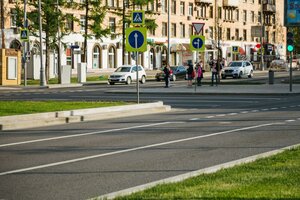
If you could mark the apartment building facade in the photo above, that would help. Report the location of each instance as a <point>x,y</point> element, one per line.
<point>227,23</point>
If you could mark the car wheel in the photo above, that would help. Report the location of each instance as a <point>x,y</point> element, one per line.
<point>111,83</point>
<point>240,75</point>
<point>128,80</point>
<point>251,74</point>
<point>173,78</point>
<point>223,77</point>
<point>143,79</point>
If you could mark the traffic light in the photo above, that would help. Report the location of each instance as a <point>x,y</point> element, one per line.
<point>290,41</point>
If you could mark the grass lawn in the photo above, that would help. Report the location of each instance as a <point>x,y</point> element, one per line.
<point>276,177</point>
<point>73,80</point>
<point>29,107</point>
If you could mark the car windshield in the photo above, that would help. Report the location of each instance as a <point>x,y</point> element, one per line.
<point>123,69</point>
<point>235,64</point>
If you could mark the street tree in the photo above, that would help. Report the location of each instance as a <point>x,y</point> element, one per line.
<point>94,15</point>
<point>52,20</point>
<point>125,13</point>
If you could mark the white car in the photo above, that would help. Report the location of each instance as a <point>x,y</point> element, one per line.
<point>127,74</point>
<point>238,69</point>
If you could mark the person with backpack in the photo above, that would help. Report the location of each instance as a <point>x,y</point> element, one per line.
<point>167,71</point>
<point>190,74</point>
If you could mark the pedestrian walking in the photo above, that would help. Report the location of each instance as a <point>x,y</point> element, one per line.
<point>199,72</point>
<point>214,72</point>
<point>167,71</point>
<point>190,74</point>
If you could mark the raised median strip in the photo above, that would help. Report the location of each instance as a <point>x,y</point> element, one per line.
<point>73,116</point>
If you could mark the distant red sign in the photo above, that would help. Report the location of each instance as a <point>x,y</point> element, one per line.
<point>258,46</point>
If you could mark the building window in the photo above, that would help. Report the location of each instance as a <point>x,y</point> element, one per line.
<point>164,29</point>
<point>182,7</point>
<point>190,9</point>
<point>211,11</point>
<point>237,34</point>
<point>152,32</point>
<point>182,30</point>
<point>112,24</point>
<point>203,11</point>
<point>150,6</point>
<point>111,57</point>
<point>267,36</point>
<point>237,15</point>
<point>173,7</point>
<point>111,3</point>
<point>173,30</point>
<point>164,6</point>
<point>274,37</point>
<point>228,34</point>
<point>259,17</point>
<point>69,22</point>
<point>96,57</point>
<point>82,22</point>
<point>252,16</point>
<point>13,18</point>
<point>220,12</point>
<point>245,35</point>
<point>211,32</point>
<point>244,15</point>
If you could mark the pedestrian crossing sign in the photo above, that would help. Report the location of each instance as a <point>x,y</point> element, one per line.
<point>24,35</point>
<point>138,17</point>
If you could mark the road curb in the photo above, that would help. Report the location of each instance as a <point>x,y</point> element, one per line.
<point>79,115</point>
<point>182,177</point>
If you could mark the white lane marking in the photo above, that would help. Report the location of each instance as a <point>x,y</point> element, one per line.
<point>290,120</point>
<point>232,114</point>
<point>274,108</point>
<point>266,109</point>
<point>254,110</point>
<point>244,112</point>
<point>292,106</point>
<point>208,117</point>
<point>132,149</point>
<point>85,134</point>
<point>221,115</point>
<point>193,119</point>
<point>283,107</point>
<point>225,122</point>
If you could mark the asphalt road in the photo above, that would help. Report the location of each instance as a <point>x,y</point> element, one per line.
<point>85,160</point>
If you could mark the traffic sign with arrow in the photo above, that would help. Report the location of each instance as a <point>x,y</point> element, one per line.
<point>197,43</point>
<point>136,39</point>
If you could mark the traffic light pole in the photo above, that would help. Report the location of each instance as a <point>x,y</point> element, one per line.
<point>291,72</point>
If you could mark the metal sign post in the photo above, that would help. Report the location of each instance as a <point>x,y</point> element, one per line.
<point>136,41</point>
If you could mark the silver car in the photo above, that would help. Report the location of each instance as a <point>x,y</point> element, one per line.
<point>127,74</point>
<point>238,69</point>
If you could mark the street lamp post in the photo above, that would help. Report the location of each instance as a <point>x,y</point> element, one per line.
<point>262,38</point>
<point>42,73</point>
<point>168,55</point>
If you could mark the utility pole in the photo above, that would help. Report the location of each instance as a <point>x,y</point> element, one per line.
<point>123,32</point>
<point>262,37</point>
<point>42,72</point>
<point>168,55</point>
<point>25,49</point>
<point>59,45</point>
<point>2,23</point>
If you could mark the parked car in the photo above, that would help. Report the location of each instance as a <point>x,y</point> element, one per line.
<point>238,69</point>
<point>127,74</point>
<point>279,65</point>
<point>177,72</point>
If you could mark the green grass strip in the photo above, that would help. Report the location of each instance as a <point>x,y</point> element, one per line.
<point>276,177</point>
<point>29,107</point>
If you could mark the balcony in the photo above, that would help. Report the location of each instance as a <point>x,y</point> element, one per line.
<point>198,2</point>
<point>269,8</point>
<point>231,3</point>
